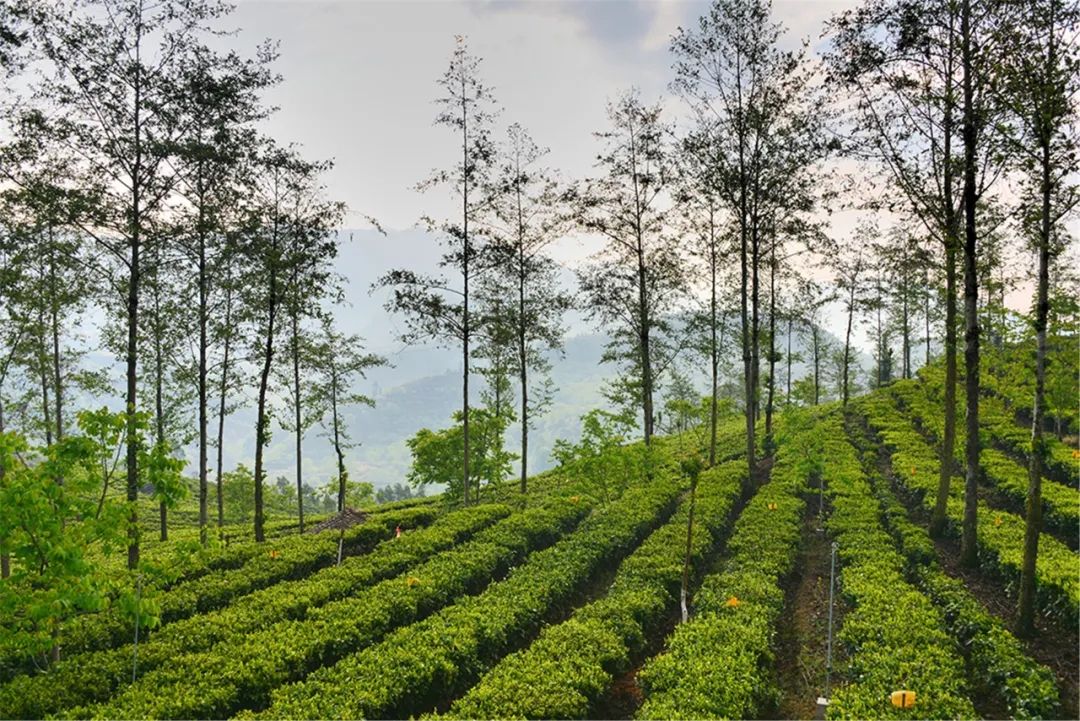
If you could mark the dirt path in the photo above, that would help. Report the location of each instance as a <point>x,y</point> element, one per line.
<point>803,631</point>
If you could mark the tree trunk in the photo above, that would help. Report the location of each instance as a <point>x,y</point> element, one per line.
<point>134,277</point>
<point>294,316</point>
<point>968,545</point>
<point>926,310</point>
<point>5,558</point>
<point>787,396</point>
<point>523,351</point>
<point>465,299</point>
<point>159,381</point>
<point>714,348</point>
<point>1033,521</point>
<point>264,378</point>
<point>223,390</point>
<point>817,364</point>
<point>203,312</point>
<point>847,343</point>
<point>342,487</point>
<point>643,344</point>
<point>771,391</point>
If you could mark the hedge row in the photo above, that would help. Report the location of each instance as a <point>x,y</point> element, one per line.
<point>1062,462</point>
<point>92,677</point>
<point>719,664</point>
<point>893,635</point>
<point>417,666</point>
<point>996,661</point>
<point>240,672</point>
<point>565,671</point>
<point>1061,503</point>
<point>999,534</point>
<point>289,557</point>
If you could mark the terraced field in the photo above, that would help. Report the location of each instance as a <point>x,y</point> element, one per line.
<point>561,605</point>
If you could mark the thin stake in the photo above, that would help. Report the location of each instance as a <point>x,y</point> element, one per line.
<point>138,604</point>
<point>828,647</point>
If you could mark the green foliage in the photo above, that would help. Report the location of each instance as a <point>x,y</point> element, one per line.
<point>566,670</point>
<point>601,458</point>
<point>893,634</point>
<point>241,671</point>
<point>438,455</point>
<point>94,677</point>
<point>51,522</point>
<point>717,664</point>
<point>417,666</point>
<point>1000,534</point>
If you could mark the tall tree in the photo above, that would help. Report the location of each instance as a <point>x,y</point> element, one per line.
<point>293,226</point>
<point>899,60</point>
<point>637,278</point>
<point>736,78</point>
<point>220,103</point>
<point>701,211</point>
<point>1039,87</point>
<point>528,217</point>
<point>111,96</point>
<point>434,309</point>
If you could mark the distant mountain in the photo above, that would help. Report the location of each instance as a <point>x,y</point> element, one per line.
<point>422,386</point>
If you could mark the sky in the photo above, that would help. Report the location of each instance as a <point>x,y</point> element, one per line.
<point>359,78</point>
<point>359,84</point>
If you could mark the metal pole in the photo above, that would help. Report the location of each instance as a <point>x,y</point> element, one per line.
<point>138,603</point>
<point>828,651</point>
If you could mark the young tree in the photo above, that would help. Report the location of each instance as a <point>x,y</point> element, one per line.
<point>339,361</point>
<point>850,267</point>
<point>1039,86</point>
<point>432,308</point>
<point>528,217</point>
<point>437,454</point>
<point>637,279</point>
<point>813,299</point>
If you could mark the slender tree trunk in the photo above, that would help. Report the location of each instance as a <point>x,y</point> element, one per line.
<point>134,277</point>
<point>54,308</point>
<point>968,545</point>
<point>465,299</point>
<point>771,391</point>
<point>847,343</point>
<point>342,479</point>
<point>43,380</point>
<point>643,343</point>
<point>755,318</point>
<point>787,397</point>
<point>938,518</point>
<point>264,376</point>
<point>5,558</point>
<point>294,317</point>
<point>714,347</point>
<point>1033,520</point>
<point>926,310</point>
<point>817,364</point>
<point>203,420</point>
<point>523,362</point>
<point>223,390</point>
<point>159,382</point>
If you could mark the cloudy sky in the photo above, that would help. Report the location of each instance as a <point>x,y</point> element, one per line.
<point>359,78</point>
